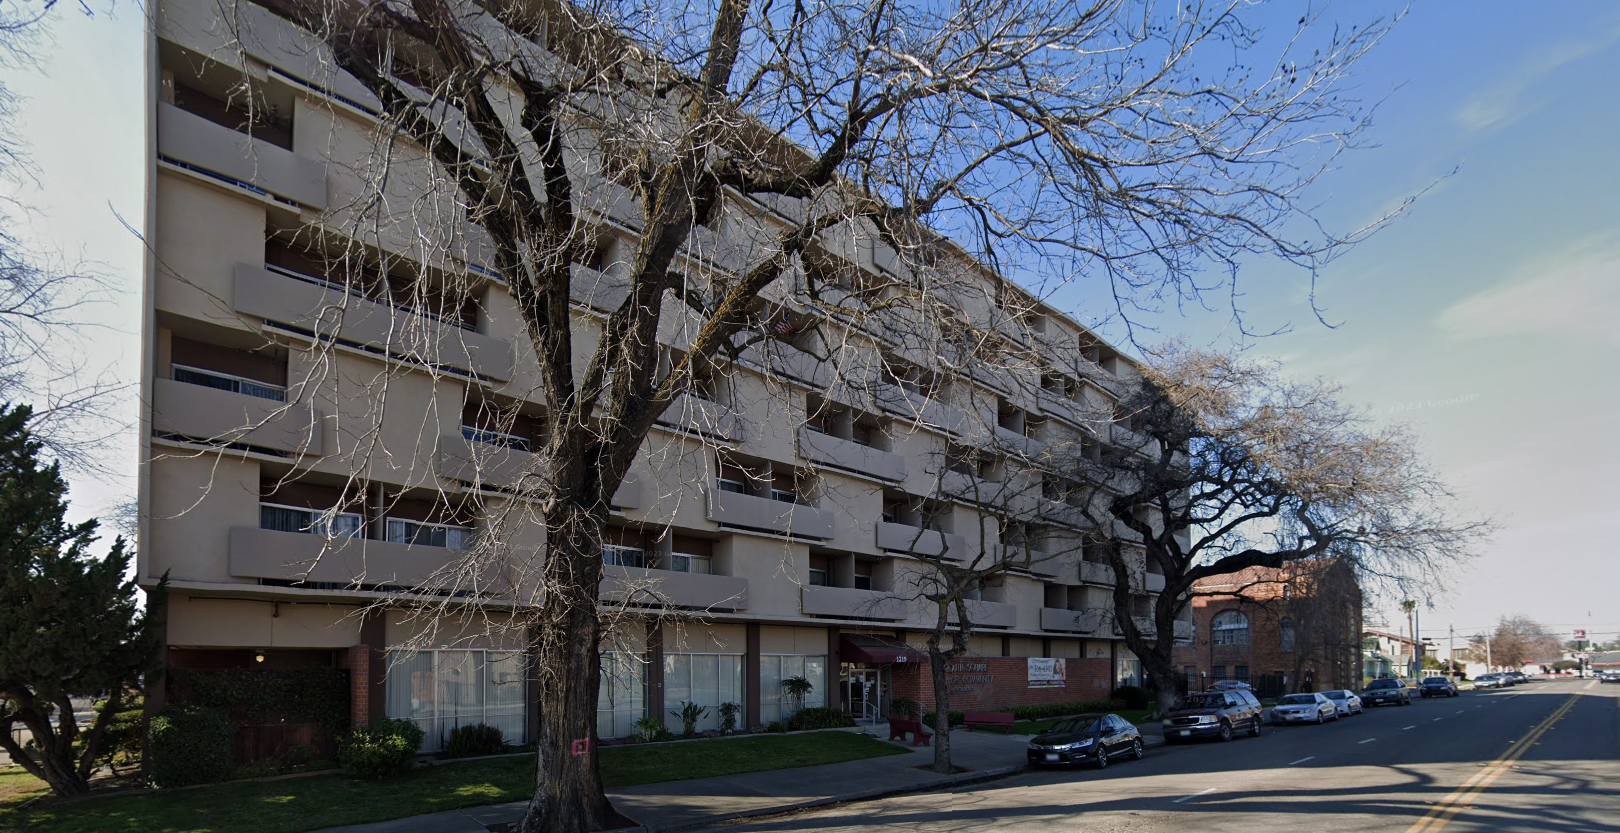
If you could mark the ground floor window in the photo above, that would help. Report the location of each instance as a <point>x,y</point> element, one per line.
<point>774,704</point>
<point>621,699</point>
<point>1129,672</point>
<point>705,679</point>
<point>441,690</point>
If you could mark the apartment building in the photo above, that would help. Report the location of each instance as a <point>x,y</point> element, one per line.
<point>318,448</point>
<point>1284,629</point>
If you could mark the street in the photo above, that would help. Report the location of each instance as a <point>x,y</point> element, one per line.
<point>1544,756</point>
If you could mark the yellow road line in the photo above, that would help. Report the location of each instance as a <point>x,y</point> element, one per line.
<point>1441,813</point>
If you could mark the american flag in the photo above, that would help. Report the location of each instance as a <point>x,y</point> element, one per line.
<point>783,327</point>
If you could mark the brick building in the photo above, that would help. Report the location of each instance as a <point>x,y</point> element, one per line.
<point>1294,628</point>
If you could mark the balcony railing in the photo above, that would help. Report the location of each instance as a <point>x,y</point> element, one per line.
<point>225,381</point>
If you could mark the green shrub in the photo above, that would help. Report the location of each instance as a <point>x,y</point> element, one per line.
<point>1051,710</point>
<point>903,707</point>
<point>190,745</point>
<point>384,749</point>
<point>776,726</point>
<point>121,740</point>
<point>820,718</point>
<point>689,713</point>
<point>728,717</point>
<point>474,739</point>
<point>257,769</point>
<point>1134,697</point>
<point>955,717</point>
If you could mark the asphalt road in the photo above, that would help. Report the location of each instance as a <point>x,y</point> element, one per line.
<point>1540,757</point>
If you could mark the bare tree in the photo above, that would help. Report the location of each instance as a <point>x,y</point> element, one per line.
<point>1111,139</point>
<point>1230,465</point>
<point>1516,642</point>
<point>44,298</point>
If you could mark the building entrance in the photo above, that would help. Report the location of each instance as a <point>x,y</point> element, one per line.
<point>865,690</point>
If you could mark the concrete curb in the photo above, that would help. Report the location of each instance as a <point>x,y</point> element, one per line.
<point>848,798</point>
<point>947,782</point>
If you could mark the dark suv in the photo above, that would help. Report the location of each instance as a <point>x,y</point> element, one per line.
<point>1214,714</point>
<point>1437,687</point>
<point>1389,691</point>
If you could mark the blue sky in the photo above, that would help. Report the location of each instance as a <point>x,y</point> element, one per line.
<point>1483,318</point>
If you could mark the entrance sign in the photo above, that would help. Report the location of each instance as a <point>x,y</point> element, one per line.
<point>1048,672</point>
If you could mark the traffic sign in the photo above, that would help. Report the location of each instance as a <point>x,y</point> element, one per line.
<point>1580,634</point>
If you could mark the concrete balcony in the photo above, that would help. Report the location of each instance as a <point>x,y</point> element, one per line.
<point>1144,624</point>
<point>204,413</point>
<point>294,556</point>
<point>703,417</point>
<point>1015,443</point>
<point>308,306</point>
<point>1040,563</point>
<point>849,603</point>
<point>1093,573</point>
<point>925,542</point>
<point>224,29</point>
<point>667,588</point>
<point>1062,514</point>
<point>222,153</point>
<point>1183,629</point>
<point>1153,582</point>
<point>787,361</point>
<point>850,455</point>
<point>482,463</point>
<point>1073,621</point>
<point>768,515</point>
<point>989,614</point>
<point>918,409</point>
<point>628,495</point>
<point>596,289</point>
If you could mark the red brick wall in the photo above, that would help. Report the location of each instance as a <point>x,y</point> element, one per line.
<point>358,660</point>
<point>1002,683</point>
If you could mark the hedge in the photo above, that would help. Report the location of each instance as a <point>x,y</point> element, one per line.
<point>1042,712</point>
<point>474,739</point>
<point>257,696</point>
<point>190,745</point>
<point>820,718</point>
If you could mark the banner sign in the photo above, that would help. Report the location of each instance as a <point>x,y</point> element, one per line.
<point>1048,672</point>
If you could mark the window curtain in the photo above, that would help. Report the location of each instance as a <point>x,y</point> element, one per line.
<point>705,679</point>
<point>621,699</point>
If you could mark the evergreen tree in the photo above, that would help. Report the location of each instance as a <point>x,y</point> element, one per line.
<point>70,624</point>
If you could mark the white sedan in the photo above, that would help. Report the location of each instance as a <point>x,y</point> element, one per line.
<point>1304,708</point>
<point>1345,700</point>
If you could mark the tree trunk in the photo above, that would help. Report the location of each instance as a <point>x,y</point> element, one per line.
<point>568,793</point>
<point>942,714</point>
<point>1163,672</point>
<point>55,763</point>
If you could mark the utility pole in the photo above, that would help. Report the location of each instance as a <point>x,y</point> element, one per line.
<point>1488,664</point>
<point>1451,650</point>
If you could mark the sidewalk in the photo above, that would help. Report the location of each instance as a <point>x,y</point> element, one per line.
<point>676,805</point>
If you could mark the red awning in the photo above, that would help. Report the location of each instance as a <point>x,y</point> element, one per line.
<point>875,651</point>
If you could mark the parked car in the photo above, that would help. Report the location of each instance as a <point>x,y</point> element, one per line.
<point>1228,685</point>
<point>1345,700</point>
<point>1490,681</point>
<point>1304,708</point>
<point>1516,677</point>
<point>1087,738</point>
<point>1609,676</point>
<point>1437,687</point>
<point>1214,714</point>
<point>1389,691</point>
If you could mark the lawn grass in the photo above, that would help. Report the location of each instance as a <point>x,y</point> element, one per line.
<point>300,804</point>
<point>1035,727</point>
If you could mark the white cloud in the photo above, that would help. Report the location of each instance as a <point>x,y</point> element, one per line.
<point>1574,297</point>
<point>1501,104</point>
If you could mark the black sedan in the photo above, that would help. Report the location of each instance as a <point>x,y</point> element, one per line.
<point>1437,687</point>
<point>1386,692</point>
<point>1086,739</point>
